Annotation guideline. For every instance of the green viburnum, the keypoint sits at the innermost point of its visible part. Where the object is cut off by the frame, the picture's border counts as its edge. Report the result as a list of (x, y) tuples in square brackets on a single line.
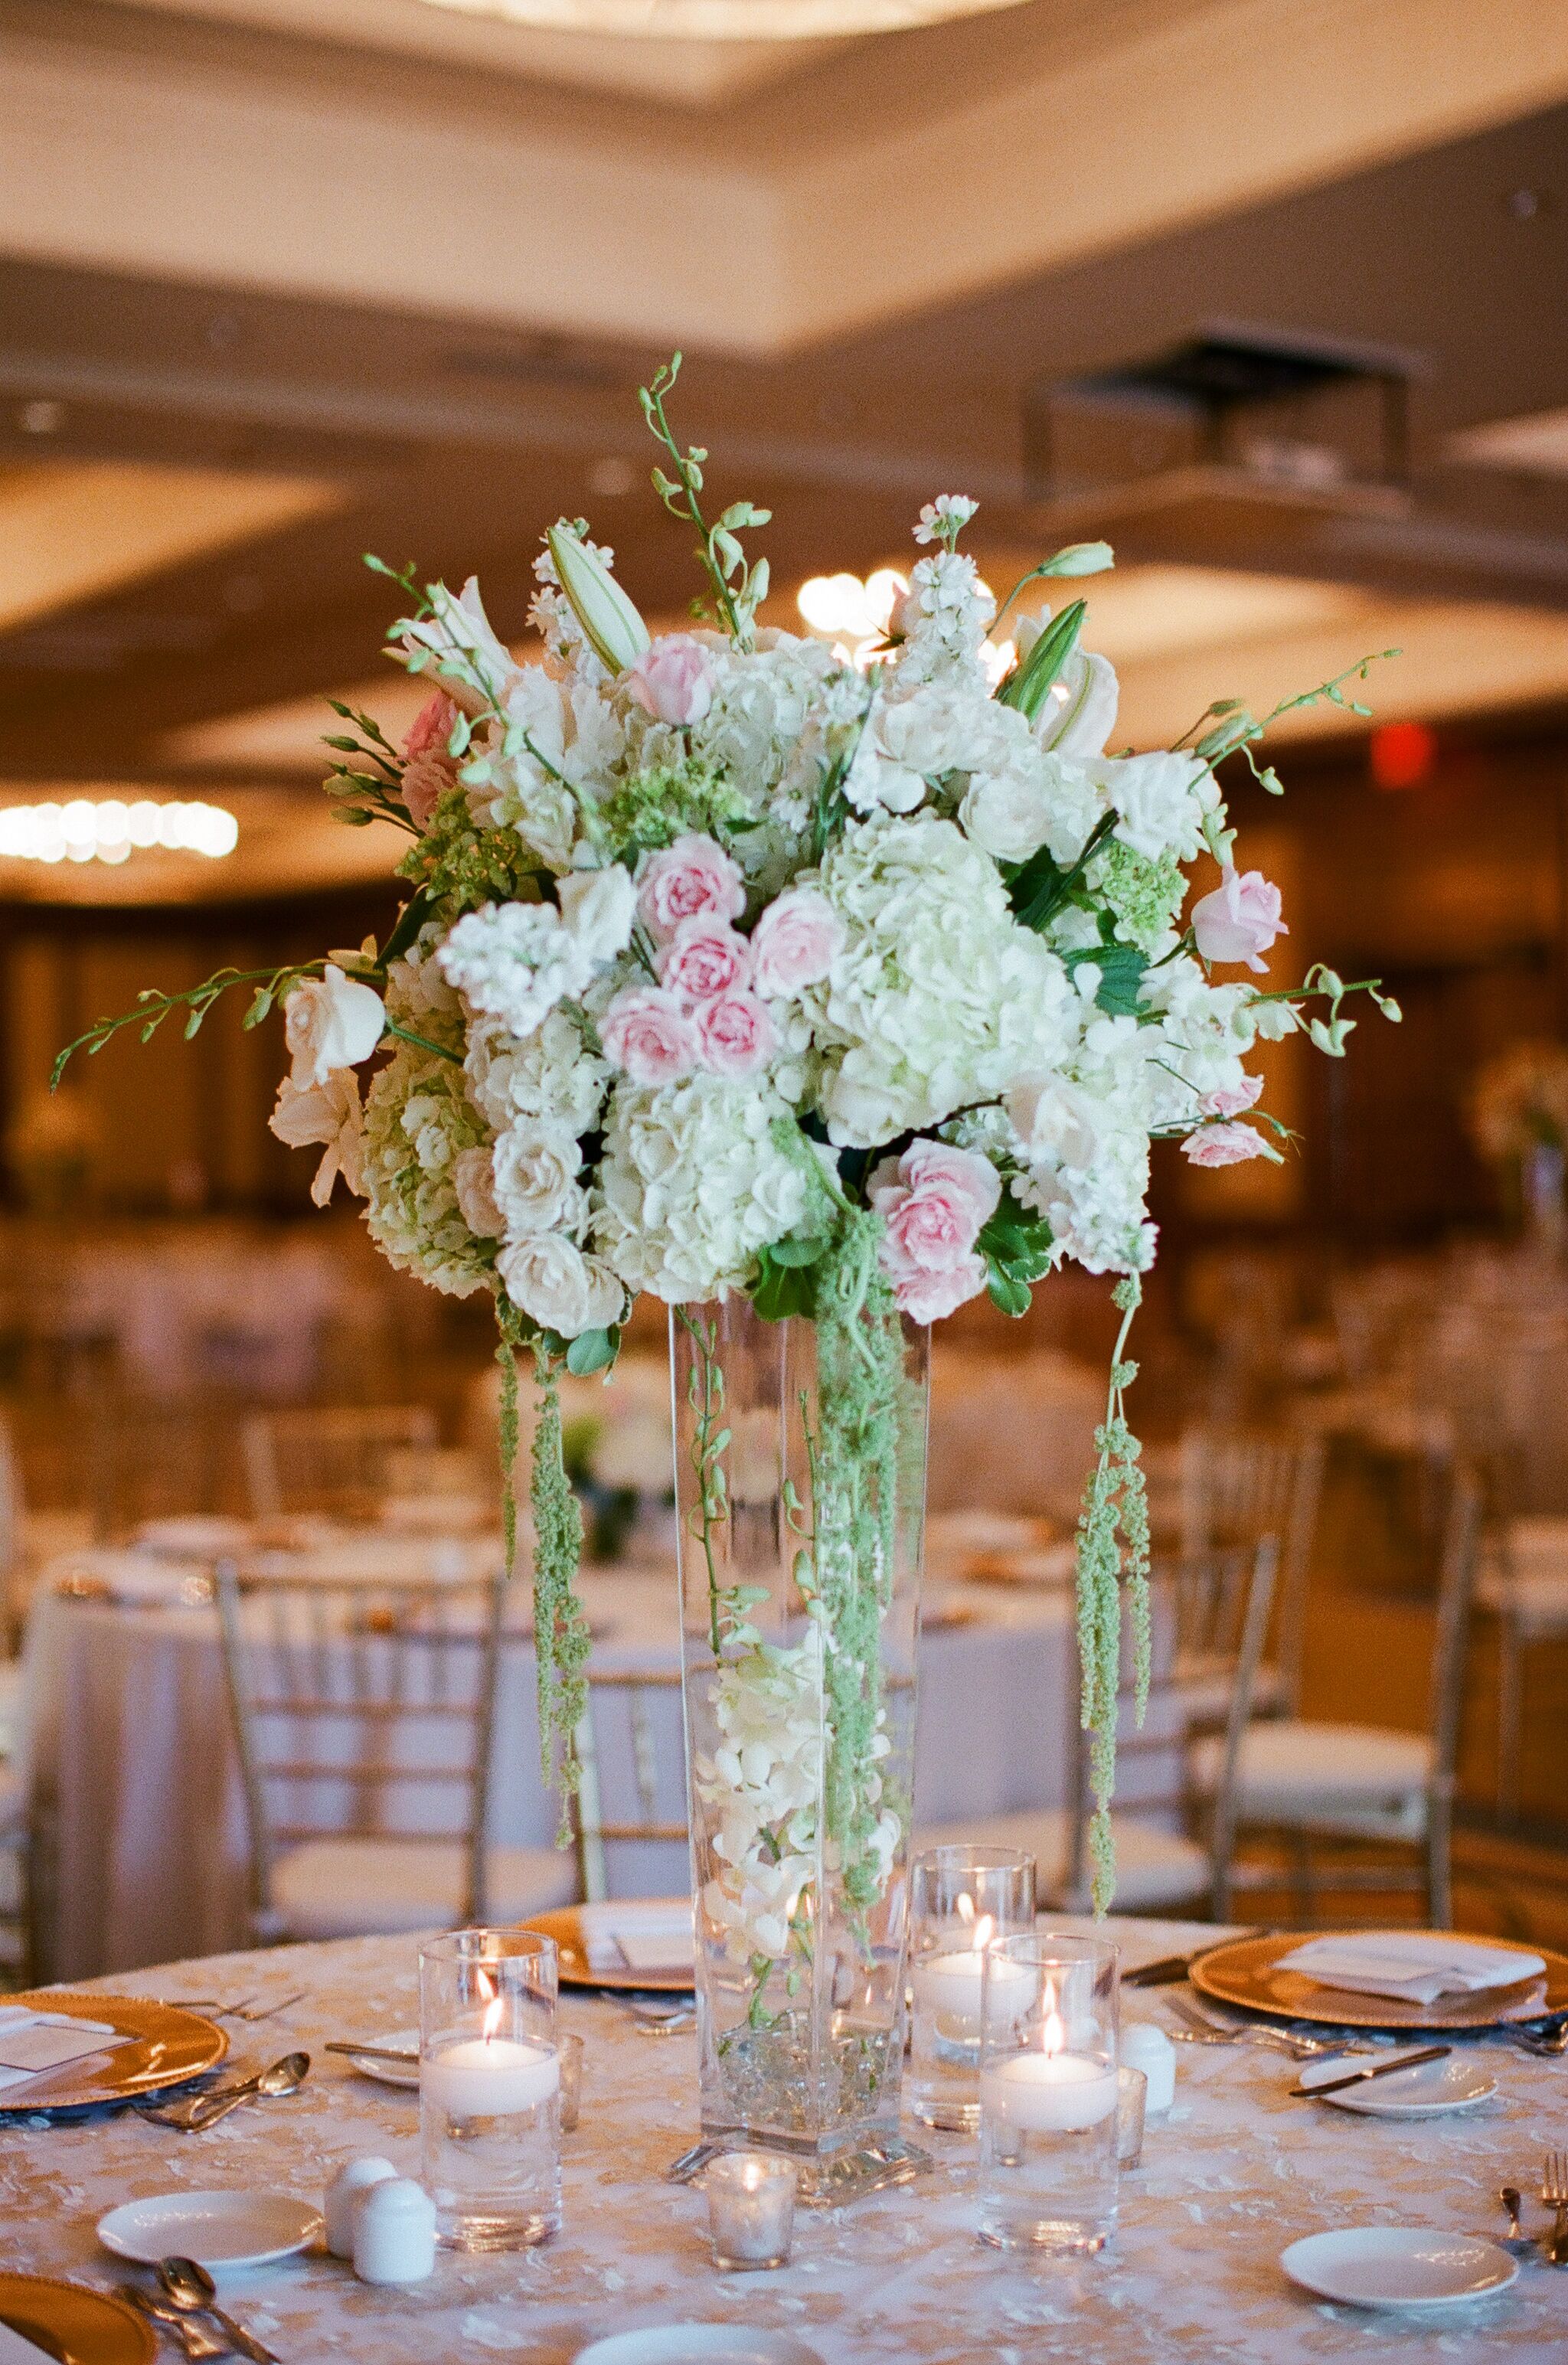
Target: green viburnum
[(1145, 896), (655, 807), (461, 866)]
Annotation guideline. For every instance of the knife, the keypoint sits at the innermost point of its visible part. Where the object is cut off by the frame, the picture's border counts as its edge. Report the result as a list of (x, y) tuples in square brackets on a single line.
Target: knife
[(1171, 1967), (1374, 2070), (374, 2052)]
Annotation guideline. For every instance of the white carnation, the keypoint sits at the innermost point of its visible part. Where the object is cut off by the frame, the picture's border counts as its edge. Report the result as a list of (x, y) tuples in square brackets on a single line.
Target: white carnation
[(1159, 801), (692, 1185)]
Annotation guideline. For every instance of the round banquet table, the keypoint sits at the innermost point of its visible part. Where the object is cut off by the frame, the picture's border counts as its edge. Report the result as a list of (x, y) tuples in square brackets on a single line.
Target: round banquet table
[(1231, 2175), (138, 1802)]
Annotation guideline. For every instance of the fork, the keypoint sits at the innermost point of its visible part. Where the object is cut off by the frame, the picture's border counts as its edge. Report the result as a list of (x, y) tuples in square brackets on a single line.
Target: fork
[(1555, 2194), (1212, 2031), (243, 2011)]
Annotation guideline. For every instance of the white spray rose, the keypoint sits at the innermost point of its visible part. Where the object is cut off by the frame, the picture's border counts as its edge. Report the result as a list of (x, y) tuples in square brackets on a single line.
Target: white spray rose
[(555, 1284), (473, 1181), (330, 1025), (330, 1114), (535, 1179)]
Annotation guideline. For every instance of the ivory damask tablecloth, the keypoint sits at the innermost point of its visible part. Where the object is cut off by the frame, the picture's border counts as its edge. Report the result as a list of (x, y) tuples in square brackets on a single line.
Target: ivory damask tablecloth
[(1235, 2172)]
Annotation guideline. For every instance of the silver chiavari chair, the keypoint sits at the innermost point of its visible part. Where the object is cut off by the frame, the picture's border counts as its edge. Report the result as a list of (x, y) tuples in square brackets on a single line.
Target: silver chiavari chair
[(328, 1458), (1236, 1487), (619, 1752)]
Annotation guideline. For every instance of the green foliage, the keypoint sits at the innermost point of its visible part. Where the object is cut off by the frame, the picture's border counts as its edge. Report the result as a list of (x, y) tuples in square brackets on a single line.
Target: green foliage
[(739, 588), (786, 1284), (151, 1009), (1016, 1246), (1038, 888), (593, 1350), (1113, 1551), (655, 807), (458, 866), (369, 786), (1029, 684)]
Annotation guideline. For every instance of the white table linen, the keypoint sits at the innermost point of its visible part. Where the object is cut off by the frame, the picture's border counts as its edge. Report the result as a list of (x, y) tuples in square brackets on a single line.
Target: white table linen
[(1234, 2173), (142, 1814)]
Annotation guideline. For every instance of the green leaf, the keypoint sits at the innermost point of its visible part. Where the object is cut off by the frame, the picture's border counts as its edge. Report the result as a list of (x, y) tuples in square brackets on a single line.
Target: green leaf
[(592, 1351), (781, 1290), (1121, 969), (1009, 1297), (798, 1251), (1027, 686), (418, 908)]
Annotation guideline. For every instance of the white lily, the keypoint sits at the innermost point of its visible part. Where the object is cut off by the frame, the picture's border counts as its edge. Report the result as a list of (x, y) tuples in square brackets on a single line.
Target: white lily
[(612, 626)]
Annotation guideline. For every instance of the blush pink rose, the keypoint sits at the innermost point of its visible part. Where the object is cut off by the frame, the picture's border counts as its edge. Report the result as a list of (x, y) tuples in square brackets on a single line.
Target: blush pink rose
[(932, 1297), (795, 943), (737, 1035), (1231, 1099), (692, 879), (649, 1035), (673, 680), (1239, 920), (428, 771), (705, 959), (932, 1201), (1223, 1145)]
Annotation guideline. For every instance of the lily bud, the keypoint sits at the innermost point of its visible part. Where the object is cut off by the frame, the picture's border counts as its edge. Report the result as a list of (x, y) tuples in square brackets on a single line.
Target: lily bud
[(612, 626), (1080, 558)]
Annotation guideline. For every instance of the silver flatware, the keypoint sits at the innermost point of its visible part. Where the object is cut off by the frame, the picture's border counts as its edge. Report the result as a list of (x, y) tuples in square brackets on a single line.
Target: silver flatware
[(196, 2338), (191, 2289), (203, 2111), (1230, 2032), (1555, 2194), (692, 2163), (404, 2053), (1372, 2069), (1518, 2239)]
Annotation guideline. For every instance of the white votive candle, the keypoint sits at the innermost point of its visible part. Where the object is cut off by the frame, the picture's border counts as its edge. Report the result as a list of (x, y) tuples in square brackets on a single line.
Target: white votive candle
[(751, 2209), (1149, 2049), (394, 2232), (949, 1985), (342, 2201), (490, 2076), (1046, 2093)]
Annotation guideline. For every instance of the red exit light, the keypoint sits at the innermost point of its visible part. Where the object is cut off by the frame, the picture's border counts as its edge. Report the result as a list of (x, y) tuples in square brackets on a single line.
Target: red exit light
[(1402, 755)]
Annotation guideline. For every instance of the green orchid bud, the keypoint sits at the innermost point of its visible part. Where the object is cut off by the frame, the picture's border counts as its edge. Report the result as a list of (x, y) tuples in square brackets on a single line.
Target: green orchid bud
[(1080, 558), (612, 626)]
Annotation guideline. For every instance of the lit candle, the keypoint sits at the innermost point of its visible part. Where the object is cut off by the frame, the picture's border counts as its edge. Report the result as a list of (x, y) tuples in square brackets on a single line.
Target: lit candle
[(490, 2076), (950, 1985), (1049, 2090), (751, 2209)]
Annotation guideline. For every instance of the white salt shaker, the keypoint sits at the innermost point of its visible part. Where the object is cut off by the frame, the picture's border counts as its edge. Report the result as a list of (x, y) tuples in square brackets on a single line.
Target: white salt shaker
[(394, 2232), (1149, 2049), (343, 2199)]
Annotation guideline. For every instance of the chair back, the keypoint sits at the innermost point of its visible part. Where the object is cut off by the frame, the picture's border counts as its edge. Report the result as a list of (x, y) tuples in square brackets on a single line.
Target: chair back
[(360, 1708), (1208, 1617), (619, 1753), (1240, 1485), (331, 1459)]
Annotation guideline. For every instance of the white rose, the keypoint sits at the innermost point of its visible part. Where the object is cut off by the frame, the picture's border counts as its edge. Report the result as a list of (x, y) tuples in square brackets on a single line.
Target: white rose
[(1055, 1121), (535, 1169), (1158, 802), (330, 1114), (1009, 812), (473, 1181), (598, 907), (555, 1285), (333, 1025)]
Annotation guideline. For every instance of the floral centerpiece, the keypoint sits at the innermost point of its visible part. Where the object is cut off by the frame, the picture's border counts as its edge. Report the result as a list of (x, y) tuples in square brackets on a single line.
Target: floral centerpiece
[(1519, 1120), (815, 998)]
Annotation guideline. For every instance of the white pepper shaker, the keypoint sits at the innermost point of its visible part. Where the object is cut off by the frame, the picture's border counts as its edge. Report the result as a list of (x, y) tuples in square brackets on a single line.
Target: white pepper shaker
[(394, 2232), (1148, 2048), (343, 2198)]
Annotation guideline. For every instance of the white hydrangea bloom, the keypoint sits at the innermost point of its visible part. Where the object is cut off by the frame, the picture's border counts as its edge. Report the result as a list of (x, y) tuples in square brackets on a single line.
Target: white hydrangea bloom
[(692, 1185), (939, 998), (418, 1122), (549, 1075)]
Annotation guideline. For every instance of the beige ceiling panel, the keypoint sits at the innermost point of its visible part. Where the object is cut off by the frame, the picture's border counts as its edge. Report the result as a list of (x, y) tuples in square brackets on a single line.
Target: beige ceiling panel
[(288, 737)]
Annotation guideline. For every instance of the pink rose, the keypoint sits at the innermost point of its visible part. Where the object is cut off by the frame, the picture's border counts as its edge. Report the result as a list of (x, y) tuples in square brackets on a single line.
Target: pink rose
[(1239, 920), (705, 959), (649, 1036), (737, 1035), (673, 680), (428, 771), (1231, 1099), (932, 1297), (694, 879), (796, 942), (1223, 1145)]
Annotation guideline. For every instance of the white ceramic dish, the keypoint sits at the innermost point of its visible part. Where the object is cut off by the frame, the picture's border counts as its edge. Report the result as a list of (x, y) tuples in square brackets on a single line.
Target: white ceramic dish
[(1398, 2266), (1424, 2092), (222, 2231), (390, 2073), (698, 2343)]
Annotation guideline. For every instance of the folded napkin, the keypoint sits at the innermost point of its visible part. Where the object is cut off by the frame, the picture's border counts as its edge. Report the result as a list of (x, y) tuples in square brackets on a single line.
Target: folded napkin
[(32, 2042), (638, 1935), (1417, 1966), (15, 2351)]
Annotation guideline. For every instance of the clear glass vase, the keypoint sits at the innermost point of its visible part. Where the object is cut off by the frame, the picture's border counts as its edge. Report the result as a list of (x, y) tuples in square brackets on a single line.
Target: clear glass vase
[(801, 1486)]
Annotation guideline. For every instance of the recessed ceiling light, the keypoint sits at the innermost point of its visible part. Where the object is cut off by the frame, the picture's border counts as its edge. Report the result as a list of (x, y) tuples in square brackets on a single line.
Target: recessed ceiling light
[(41, 418), (107, 830), (726, 20)]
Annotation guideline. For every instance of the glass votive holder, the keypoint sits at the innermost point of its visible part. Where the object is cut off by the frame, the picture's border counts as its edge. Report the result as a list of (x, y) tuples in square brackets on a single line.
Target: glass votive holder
[(960, 1899), (491, 2088), (1131, 2101), (751, 2209), (571, 2052), (1048, 2093)]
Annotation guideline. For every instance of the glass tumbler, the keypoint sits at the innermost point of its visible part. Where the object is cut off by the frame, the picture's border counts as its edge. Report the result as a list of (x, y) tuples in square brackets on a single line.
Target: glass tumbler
[(491, 2088), (960, 1899), (1048, 2093)]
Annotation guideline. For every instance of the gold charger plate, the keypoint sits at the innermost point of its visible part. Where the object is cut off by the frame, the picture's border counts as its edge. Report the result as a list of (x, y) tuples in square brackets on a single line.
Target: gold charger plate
[(563, 1923), (156, 2045), (1246, 1971), (76, 2325)]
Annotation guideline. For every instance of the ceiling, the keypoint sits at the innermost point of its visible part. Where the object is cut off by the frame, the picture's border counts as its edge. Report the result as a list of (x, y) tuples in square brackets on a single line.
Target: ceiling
[(372, 275)]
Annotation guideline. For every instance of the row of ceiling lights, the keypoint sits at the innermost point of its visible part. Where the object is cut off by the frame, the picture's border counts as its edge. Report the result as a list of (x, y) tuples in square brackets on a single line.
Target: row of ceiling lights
[(109, 830)]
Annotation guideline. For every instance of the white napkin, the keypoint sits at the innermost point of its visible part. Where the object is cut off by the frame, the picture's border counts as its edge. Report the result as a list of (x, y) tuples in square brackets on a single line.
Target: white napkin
[(32, 2042), (15, 2351), (638, 1935), (1417, 1966)]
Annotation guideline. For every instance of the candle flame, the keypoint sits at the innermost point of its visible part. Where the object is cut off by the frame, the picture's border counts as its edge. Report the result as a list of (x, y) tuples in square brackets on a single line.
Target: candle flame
[(984, 1930), (494, 2013), (965, 1907), (1053, 2035)]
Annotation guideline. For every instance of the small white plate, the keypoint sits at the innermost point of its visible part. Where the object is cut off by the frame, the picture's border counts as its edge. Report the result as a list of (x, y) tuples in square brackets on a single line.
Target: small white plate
[(1424, 2092), (222, 2231), (1398, 2266), (390, 2073), (698, 2343)]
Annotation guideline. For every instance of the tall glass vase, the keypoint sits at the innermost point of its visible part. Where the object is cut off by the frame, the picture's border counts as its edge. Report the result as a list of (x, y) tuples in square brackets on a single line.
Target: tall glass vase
[(800, 1484)]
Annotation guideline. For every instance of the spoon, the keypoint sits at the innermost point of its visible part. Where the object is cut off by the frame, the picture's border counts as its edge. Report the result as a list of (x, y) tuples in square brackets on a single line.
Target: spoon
[(1512, 2200), (193, 2338), (187, 2283), (205, 2110)]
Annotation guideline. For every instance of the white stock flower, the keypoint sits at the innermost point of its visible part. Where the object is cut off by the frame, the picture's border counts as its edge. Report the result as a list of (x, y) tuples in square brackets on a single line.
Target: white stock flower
[(327, 1113), (550, 1279), (536, 1187), (946, 613), (330, 1024), (692, 1185), (948, 513), (516, 961), (938, 997)]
